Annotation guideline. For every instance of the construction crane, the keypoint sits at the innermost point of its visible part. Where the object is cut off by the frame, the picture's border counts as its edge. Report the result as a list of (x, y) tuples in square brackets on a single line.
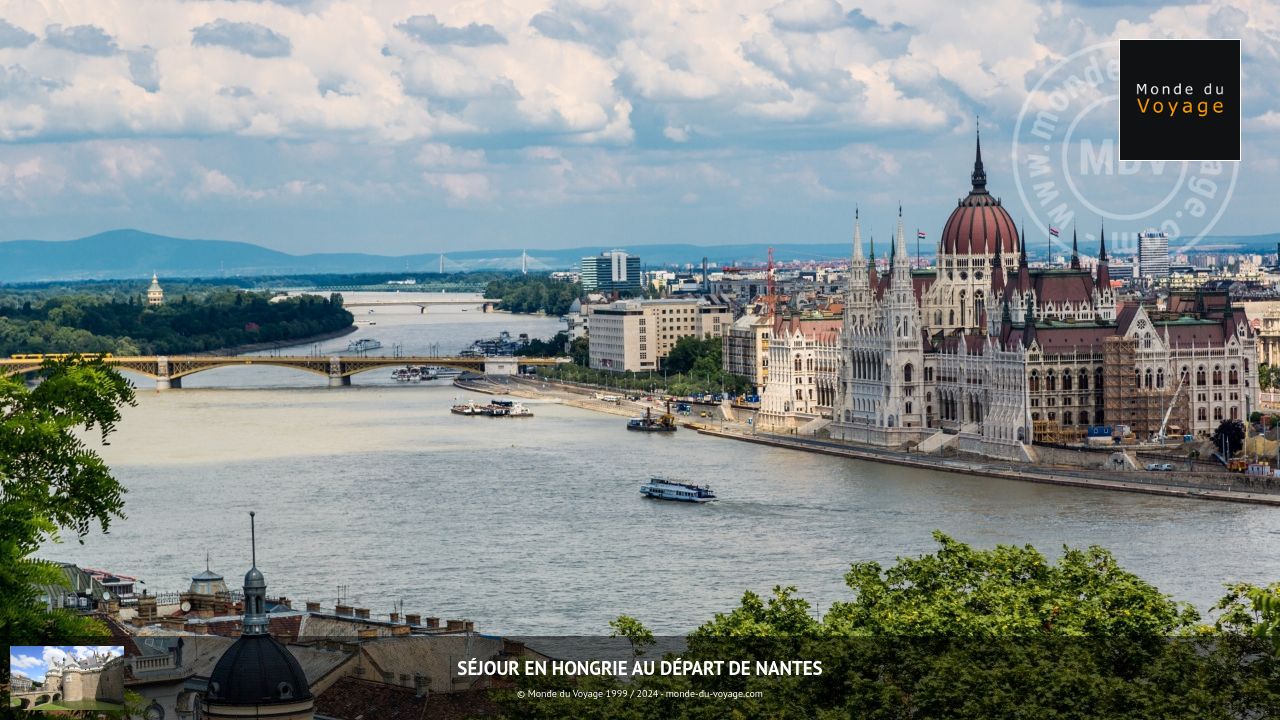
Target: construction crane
[(1160, 436)]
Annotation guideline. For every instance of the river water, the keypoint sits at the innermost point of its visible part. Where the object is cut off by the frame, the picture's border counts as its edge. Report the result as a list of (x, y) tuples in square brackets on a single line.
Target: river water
[(536, 526)]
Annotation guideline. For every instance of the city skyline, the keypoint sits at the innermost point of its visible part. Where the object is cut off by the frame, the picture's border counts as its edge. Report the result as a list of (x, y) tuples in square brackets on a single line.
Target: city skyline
[(325, 125)]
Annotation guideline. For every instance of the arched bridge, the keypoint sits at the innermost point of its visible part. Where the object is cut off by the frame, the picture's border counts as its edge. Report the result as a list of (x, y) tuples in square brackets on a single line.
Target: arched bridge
[(27, 699), (168, 371), (422, 303)]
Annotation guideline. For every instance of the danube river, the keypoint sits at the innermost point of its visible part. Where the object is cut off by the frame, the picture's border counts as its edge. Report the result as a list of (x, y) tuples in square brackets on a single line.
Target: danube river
[(536, 526)]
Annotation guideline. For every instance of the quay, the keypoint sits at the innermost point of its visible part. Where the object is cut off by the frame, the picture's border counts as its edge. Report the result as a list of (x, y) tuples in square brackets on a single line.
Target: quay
[(1057, 476)]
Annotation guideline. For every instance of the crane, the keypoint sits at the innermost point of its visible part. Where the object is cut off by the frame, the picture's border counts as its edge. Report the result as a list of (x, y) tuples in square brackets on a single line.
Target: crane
[(1160, 436)]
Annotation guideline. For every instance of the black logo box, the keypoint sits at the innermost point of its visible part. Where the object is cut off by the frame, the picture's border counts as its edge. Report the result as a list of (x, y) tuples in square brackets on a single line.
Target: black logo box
[(1177, 72)]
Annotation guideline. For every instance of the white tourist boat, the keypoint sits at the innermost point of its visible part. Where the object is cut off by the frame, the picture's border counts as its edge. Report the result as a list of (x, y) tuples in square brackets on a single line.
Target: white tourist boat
[(663, 489)]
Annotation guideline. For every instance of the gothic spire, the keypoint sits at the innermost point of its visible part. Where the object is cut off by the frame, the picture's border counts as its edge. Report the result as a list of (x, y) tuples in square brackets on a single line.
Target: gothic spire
[(997, 266), (857, 237), (979, 175), (1102, 243), (1075, 249)]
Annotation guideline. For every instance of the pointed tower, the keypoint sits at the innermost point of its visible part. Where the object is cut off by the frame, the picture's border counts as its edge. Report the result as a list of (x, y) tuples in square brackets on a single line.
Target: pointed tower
[(155, 293), (255, 589), (257, 676), (1104, 295), (860, 296), (979, 176), (1028, 333), (1075, 249), (995, 303)]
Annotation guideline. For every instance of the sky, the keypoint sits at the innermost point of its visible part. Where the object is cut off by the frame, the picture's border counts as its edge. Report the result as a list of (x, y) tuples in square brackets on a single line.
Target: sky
[(35, 660), (399, 127)]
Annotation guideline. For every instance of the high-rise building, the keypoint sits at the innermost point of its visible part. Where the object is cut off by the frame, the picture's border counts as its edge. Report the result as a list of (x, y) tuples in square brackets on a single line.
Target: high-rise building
[(635, 335), (612, 272), (1153, 254)]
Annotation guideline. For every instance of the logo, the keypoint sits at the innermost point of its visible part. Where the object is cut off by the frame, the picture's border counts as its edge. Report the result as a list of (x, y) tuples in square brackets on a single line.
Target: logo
[(1068, 169)]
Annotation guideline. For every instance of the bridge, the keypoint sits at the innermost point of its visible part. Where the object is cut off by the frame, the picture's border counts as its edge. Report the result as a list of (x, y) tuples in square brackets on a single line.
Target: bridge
[(27, 699), (423, 303), (168, 371)]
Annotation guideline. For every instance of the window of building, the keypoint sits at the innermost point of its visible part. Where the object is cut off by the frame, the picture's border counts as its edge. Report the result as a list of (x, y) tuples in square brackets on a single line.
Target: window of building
[(1217, 374), (1200, 375)]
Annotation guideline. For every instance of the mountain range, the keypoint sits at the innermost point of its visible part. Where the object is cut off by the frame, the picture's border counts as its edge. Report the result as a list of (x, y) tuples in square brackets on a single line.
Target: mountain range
[(124, 254)]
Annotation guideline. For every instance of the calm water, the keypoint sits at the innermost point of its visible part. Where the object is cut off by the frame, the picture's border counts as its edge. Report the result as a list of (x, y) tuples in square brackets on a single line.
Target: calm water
[(536, 526)]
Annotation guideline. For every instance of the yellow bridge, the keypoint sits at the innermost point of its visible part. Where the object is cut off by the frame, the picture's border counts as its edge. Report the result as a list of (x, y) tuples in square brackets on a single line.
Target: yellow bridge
[(168, 371)]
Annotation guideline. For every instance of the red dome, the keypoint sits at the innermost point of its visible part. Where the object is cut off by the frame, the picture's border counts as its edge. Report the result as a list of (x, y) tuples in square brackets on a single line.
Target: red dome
[(979, 219), (982, 218)]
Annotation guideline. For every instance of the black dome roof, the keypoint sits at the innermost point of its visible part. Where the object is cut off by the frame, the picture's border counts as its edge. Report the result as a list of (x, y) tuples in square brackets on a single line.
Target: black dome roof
[(257, 670)]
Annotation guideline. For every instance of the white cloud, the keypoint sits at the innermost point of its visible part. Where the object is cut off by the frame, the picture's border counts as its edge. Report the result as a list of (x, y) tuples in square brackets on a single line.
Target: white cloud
[(24, 662), (461, 188)]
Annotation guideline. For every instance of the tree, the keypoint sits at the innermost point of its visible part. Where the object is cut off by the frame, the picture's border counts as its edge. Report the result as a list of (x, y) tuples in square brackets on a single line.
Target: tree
[(51, 482), (634, 631), (969, 633), (580, 351), (1230, 433)]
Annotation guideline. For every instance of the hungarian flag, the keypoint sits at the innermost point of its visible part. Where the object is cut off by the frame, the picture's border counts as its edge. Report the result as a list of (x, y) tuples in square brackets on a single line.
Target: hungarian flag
[(920, 235), (1053, 231)]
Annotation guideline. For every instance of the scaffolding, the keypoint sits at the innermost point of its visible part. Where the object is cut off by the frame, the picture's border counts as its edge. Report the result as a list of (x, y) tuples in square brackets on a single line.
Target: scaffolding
[(1128, 402)]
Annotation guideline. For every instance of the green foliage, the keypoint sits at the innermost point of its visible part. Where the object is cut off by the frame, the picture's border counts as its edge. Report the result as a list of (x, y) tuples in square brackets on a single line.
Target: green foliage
[(1231, 434), (693, 367), (634, 631), (533, 293), (1266, 377), (697, 382), (554, 347), (580, 351), (51, 481), (209, 320), (969, 634)]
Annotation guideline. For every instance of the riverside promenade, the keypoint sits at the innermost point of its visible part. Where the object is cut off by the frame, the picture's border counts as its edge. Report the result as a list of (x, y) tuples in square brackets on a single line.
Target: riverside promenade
[(1050, 475)]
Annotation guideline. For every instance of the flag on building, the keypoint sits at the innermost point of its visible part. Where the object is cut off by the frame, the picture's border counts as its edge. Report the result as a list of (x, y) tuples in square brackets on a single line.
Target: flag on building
[(1053, 231), (920, 235)]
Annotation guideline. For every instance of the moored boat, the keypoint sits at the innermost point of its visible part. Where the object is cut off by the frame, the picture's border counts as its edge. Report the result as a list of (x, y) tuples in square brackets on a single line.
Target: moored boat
[(467, 408), (663, 489), (665, 422)]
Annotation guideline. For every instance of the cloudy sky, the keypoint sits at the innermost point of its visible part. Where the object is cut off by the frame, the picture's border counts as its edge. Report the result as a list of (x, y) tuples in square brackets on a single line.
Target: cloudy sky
[(34, 661), (396, 126)]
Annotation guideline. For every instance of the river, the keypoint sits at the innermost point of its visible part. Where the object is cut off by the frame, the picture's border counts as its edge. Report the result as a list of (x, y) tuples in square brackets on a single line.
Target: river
[(535, 526)]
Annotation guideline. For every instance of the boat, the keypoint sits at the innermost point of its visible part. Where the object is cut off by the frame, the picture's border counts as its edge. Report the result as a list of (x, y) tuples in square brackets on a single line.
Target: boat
[(467, 408), (663, 489), (666, 422), (363, 345), (509, 408)]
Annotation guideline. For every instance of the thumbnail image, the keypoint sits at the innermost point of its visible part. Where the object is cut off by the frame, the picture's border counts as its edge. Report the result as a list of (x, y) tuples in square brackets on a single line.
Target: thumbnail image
[(67, 678)]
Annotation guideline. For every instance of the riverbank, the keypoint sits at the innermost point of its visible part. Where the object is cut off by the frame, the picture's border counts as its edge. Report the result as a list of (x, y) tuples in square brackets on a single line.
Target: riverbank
[(1203, 488)]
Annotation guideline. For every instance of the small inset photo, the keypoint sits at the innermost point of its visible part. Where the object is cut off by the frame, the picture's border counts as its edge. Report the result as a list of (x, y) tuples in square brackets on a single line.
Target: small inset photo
[(75, 680)]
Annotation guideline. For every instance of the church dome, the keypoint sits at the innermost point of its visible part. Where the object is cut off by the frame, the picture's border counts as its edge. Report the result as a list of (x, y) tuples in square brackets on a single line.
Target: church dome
[(978, 220), (257, 670)]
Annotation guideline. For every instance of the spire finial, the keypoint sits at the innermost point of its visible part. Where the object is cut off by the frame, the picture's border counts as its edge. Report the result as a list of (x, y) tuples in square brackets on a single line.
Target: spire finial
[(1102, 243), (206, 561), (979, 174), (253, 538), (1075, 249)]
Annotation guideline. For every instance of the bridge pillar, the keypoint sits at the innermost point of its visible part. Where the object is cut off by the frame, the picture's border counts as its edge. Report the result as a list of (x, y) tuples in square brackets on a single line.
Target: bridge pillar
[(501, 366), (336, 378), (163, 380)]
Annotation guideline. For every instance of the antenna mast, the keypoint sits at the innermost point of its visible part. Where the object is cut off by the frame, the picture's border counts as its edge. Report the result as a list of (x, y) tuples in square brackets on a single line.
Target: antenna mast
[(253, 538)]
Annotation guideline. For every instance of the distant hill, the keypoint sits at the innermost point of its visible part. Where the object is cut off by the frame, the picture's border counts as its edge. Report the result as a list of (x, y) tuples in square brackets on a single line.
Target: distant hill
[(122, 254)]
